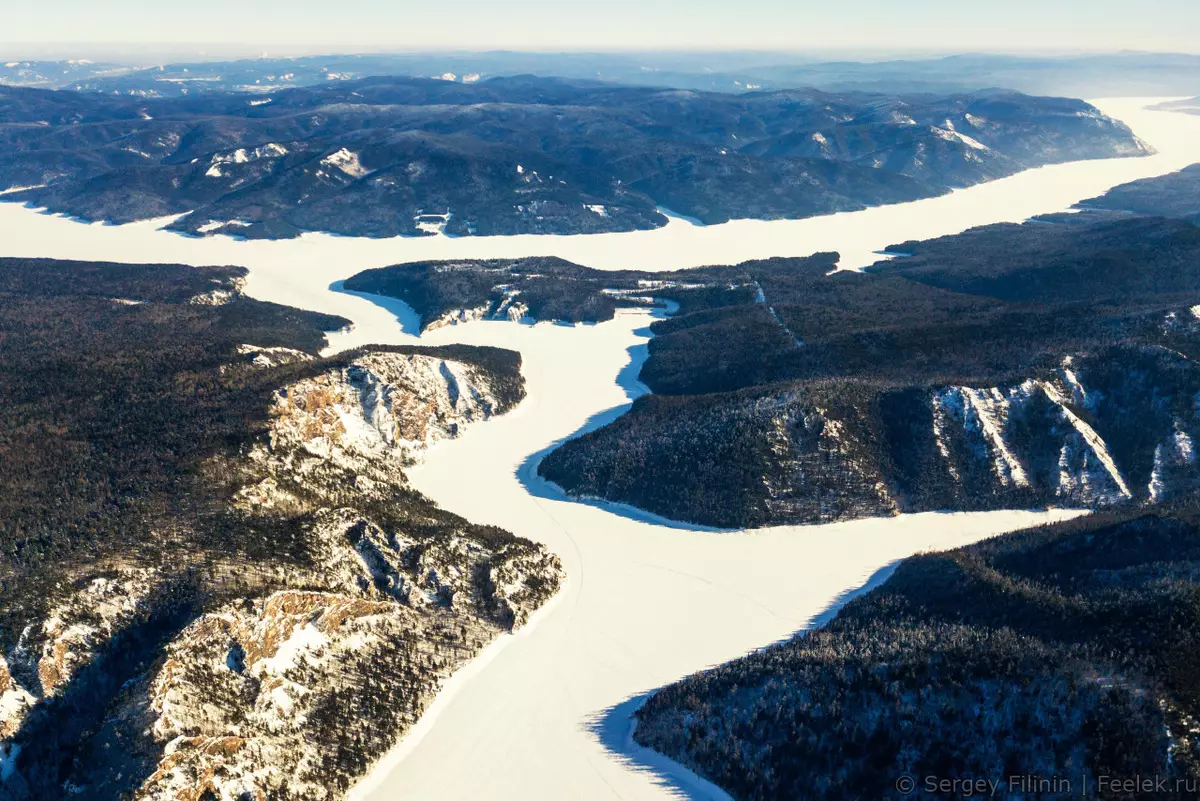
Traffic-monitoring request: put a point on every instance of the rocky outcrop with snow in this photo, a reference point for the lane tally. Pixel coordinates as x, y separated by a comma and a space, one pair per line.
362, 424
376, 597
272, 357
304, 689
1087, 434
507, 305
49, 654
1097, 430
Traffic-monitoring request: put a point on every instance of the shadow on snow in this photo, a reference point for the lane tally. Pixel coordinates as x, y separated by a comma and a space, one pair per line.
614, 727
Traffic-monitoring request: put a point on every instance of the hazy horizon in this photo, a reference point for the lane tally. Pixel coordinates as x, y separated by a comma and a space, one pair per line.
146, 54
81, 29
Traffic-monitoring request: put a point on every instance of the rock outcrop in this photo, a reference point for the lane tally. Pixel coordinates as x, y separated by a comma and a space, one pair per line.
290, 605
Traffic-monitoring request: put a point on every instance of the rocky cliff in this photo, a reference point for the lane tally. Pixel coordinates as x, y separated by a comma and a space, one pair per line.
291, 606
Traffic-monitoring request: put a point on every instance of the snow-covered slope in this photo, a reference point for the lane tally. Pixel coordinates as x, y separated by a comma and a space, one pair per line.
371, 418
308, 668
1101, 430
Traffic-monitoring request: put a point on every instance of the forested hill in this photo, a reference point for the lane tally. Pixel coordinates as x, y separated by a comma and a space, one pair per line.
547, 288
1009, 366
410, 156
935, 383
1066, 651
1176, 196
211, 562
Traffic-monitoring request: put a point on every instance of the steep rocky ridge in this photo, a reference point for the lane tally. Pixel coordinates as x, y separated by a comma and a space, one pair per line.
271, 614
1119, 431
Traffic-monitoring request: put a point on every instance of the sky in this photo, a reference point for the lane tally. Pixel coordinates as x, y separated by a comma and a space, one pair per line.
292, 27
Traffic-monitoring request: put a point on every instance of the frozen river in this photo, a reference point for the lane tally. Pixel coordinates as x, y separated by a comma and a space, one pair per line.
544, 714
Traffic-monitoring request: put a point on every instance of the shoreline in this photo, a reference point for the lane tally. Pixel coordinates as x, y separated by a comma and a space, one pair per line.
445, 695
643, 604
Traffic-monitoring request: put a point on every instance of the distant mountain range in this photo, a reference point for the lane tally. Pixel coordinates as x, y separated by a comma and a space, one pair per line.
408, 156
1189, 104
1095, 75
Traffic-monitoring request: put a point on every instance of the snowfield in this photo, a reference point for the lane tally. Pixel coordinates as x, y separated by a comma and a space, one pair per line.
544, 714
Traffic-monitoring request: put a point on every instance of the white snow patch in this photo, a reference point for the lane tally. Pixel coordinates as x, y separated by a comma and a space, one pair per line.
1185, 448
242, 155
939, 437
346, 161
1157, 486
954, 136
217, 297
272, 356
991, 410
1078, 392
14, 189
432, 223
1095, 442
303, 640
213, 225
14, 703
597, 209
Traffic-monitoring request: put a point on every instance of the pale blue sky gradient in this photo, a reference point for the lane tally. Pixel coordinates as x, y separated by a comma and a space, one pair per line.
343, 25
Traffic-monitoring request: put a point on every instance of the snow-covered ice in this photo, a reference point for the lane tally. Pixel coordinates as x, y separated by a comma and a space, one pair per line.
645, 603
540, 715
